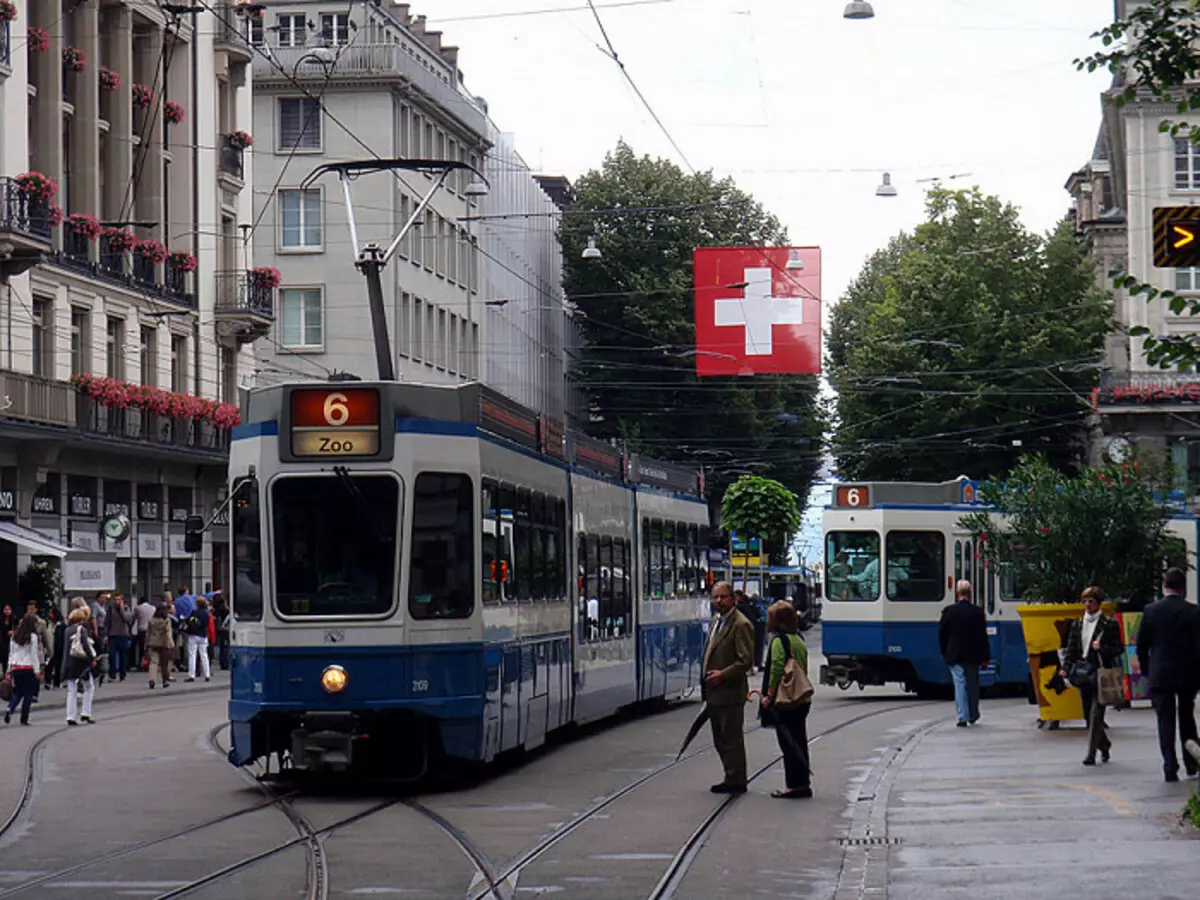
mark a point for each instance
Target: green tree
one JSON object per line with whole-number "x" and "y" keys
{"x": 964, "y": 344}
{"x": 757, "y": 507}
{"x": 1104, "y": 526}
{"x": 637, "y": 365}
{"x": 1154, "y": 55}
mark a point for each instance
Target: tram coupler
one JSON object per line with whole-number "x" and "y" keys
{"x": 325, "y": 741}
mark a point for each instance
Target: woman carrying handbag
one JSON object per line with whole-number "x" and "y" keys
{"x": 787, "y": 698}
{"x": 1091, "y": 662}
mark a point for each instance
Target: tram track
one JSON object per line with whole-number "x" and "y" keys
{"x": 683, "y": 859}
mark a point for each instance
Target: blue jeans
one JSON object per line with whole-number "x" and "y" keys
{"x": 966, "y": 691}
{"x": 117, "y": 647}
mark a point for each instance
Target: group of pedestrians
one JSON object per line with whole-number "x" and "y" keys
{"x": 1168, "y": 652}
{"x": 729, "y": 658}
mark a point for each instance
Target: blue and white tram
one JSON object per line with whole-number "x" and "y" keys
{"x": 435, "y": 570}
{"x": 893, "y": 552}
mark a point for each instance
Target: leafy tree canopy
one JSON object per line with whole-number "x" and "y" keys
{"x": 962, "y": 343}
{"x": 1102, "y": 527}
{"x": 637, "y": 320}
{"x": 754, "y": 506}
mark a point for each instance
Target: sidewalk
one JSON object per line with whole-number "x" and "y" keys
{"x": 135, "y": 687}
{"x": 1002, "y": 808}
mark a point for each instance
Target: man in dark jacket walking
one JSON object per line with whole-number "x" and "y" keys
{"x": 1168, "y": 642}
{"x": 963, "y": 638}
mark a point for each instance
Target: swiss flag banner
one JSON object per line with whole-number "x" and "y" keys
{"x": 758, "y": 310}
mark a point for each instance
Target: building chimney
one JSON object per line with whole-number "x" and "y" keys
{"x": 450, "y": 55}
{"x": 400, "y": 12}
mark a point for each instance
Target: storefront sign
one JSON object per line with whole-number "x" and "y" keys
{"x": 150, "y": 545}
{"x": 81, "y": 505}
{"x": 180, "y": 514}
{"x": 8, "y": 501}
{"x": 176, "y": 548}
{"x": 85, "y": 536}
{"x": 115, "y": 509}
{"x": 85, "y": 572}
{"x": 123, "y": 548}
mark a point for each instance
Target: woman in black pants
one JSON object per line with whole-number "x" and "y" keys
{"x": 791, "y": 725}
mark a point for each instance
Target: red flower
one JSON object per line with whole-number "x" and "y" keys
{"x": 109, "y": 80}
{"x": 142, "y": 96}
{"x": 153, "y": 250}
{"x": 173, "y": 112}
{"x": 38, "y": 40}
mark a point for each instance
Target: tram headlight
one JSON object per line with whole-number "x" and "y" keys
{"x": 334, "y": 679}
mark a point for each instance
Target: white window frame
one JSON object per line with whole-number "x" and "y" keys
{"x": 42, "y": 322}
{"x": 301, "y": 348}
{"x": 254, "y": 30}
{"x": 286, "y": 25}
{"x": 336, "y": 23}
{"x": 1192, "y": 275}
{"x": 315, "y": 122}
{"x": 282, "y": 247}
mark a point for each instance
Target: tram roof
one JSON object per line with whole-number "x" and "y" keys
{"x": 497, "y": 415}
{"x": 961, "y": 491}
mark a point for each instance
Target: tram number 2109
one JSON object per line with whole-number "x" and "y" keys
{"x": 335, "y": 422}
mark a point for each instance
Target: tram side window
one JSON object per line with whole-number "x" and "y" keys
{"x": 916, "y": 565}
{"x": 656, "y": 556}
{"x": 646, "y": 558}
{"x": 853, "y": 573}
{"x": 622, "y": 596}
{"x": 607, "y": 612}
{"x": 682, "y": 564}
{"x": 554, "y": 563}
{"x": 693, "y": 582}
{"x": 537, "y": 552}
{"x": 489, "y": 557}
{"x": 508, "y": 506}
{"x": 523, "y": 540}
{"x": 247, "y": 555}
{"x": 702, "y": 559}
{"x": 591, "y": 585}
{"x": 441, "y": 583}
{"x": 668, "y": 560}
{"x": 587, "y": 615}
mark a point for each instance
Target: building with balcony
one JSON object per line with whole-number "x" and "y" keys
{"x": 122, "y": 186}
{"x": 474, "y": 291}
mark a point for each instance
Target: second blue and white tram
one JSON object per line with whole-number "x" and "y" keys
{"x": 435, "y": 570}
{"x": 893, "y": 553}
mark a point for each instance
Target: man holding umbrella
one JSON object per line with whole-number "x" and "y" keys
{"x": 728, "y": 658}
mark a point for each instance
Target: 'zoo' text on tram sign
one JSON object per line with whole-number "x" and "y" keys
{"x": 342, "y": 422}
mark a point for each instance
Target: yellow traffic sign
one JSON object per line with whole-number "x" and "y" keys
{"x": 1176, "y": 229}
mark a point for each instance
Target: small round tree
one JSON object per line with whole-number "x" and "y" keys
{"x": 1105, "y": 526}
{"x": 760, "y": 508}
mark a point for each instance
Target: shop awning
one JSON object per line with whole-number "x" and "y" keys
{"x": 32, "y": 540}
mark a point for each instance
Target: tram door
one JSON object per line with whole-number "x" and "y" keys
{"x": 969, "y": 564}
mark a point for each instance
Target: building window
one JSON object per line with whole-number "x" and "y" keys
{"x": 43, "y": 337}
{"x": 228, "y": 375}
{"x": 300, "y": 220}
{"x": 441, "y": 338}
{"x": 335, "y": 29}
{"x": 303, "y": 318}
{"x": 1187, "y": 279}
{"x": 115, "y": 343}
{"x": 431, "y": 349}
{"x": 404, "y": 326}
{"x": 455, "y": 364}
{"x": 149, "y": 349}
{"x": 1187, "y": 165}
{"x": 292, "y": 30}
{"x": 428, "y": 239}
{"x": 81, "y": 339}
{"x": 179, "y": 363}
{"x": 418, "y": 328}
{"x": 299, "y": 124}
{"x": 253, "y": 30}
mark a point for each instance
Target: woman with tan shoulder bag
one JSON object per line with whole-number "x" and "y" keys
{"x": 787, "y": 696}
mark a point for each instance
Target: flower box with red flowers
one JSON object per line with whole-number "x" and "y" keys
{"x": 182, "y": 260}
{"x": 153, "y": 250}
{"x": 120, "y": 240}
{"x": 38, "y": 187}
{"x": 84, "y": 225}
{"x": 143, "y": 97}
{"x": 116, "y": 394}
{"x": 38, "y": 40}
{"x": 8, "y": 11}
{"x": 74, "y": 59}
{"x": 266, "y": 277}
{"x": 240, "y": 139}
{"x": 109, "y": 80}
{"x": 173, "y": 112}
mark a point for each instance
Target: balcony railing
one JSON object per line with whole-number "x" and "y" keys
{"x": 232, "y": 158}
{"x": 21, "y": 214}
{"x": 231, "y": 27}
{"x": 378, "y": 61}
{"x": 36, "y": 399}
{"x": 236, "y": 292}
{"x": 1148, "y": 388}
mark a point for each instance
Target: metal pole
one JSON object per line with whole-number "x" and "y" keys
{"x": 370, "y": 264}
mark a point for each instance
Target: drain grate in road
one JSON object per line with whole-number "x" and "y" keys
{"x": 868, "y": 841}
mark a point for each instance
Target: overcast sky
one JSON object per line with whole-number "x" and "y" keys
{"x": 803, "y": 108}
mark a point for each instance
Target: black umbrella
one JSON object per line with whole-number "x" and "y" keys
{"x": 701, "y": 718}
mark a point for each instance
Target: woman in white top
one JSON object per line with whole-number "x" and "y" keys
{"x": 24, "y": 666}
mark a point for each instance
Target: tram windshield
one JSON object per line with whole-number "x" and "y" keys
{"x": 335, "y": 545}
{"x": 852, "y": 565}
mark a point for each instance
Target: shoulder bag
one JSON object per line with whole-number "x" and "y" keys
{"x": 6, "y": 689}
{"x": 78, "y": 650}
{"x": 1110, "y": 687}
{"x": 794, "y": 688}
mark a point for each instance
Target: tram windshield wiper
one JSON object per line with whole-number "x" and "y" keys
{"x": 382, "y": 534}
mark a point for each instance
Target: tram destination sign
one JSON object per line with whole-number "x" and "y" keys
{"x": 335, "y": 422}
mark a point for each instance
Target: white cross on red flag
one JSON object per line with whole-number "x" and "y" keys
{"x": 758, "y": 310}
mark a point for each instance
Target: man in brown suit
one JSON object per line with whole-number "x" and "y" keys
{"x": 728, "y": 657}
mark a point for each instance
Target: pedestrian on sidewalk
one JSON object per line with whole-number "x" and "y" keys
{"x": 1094, "y": 639}
{"x": 120, "y": 629}
{"x": 1168, "y": 644}
{"x": 728, "y": 658}
{"x": 220, "y": 612}
{"x": 24, "y": 666}
{"x": 9, "y": 621}
{"x": 58, "y": 628}
{"x": 963, "y": 638}
{"x": 144, "y": 612}
{"x": 197, "y": 638}
{"x": 160, "y": 646}
{"x": 78, "y": 660}
{"x": 791, "y": 724}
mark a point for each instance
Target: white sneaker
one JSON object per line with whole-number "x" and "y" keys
{"x": 1193, "y": 749}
